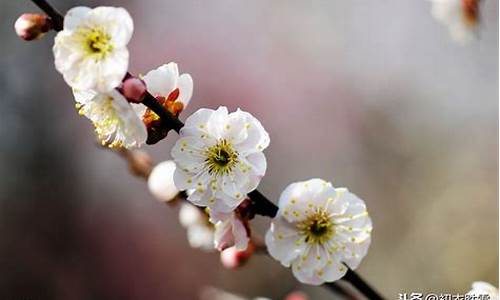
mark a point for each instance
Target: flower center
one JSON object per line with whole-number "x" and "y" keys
{"x": 96, "y": 42}
{"x": 221, "y": 158}
{"x": 317, "y": 228}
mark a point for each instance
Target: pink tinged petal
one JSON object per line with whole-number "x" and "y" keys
{"x": 223, "y": 236}
{"x": 162, "y": 80}
{"x": 74, "y": 17}
{"x": 240, "y": 234}
{"x": 185, "y": 86}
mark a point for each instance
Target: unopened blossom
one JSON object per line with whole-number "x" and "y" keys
{"x": 134, "y": 89}
{"x": 32, "y": 26}
{"x": 161, "y": 181}
{"x": 229, "y": 231}
{"x": 219, "y": 155}
{"x": 200, "y": 231}
{"x": 481, "y": 288}
{"x": 115, "y": 120}
{"x": 460, "y": 16}
{"x": 91, "y": 51}
{"x": 232, "y": 258}
{"x": 172, "y": 90}
{"x": 319, "y": 231}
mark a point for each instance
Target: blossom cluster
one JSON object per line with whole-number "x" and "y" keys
{"x": 218, "y": 160}
{"x": 319, "y": 231}
{"x": 91, "y": 53}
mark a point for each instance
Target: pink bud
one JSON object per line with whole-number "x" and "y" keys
{"x": 296, "y": 296}
{"x": 32, "y": 26}
{"x": 232, "y": 258}
{"x": 134, "y": 89}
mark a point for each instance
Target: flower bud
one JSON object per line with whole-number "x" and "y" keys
{"x": 232, "y": 258}
{"x": 161, "y": 181}
{"x": 296, "y": 296}
{"x": 134, "y": 89}
{"x": 32, "y": 26}
{"x": 140, "y": 163}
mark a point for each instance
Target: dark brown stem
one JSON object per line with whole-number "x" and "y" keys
{"x": 56, "y": 18}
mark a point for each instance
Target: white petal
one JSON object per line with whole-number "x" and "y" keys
{"x": 190, "y": 215}
{"x": 83, "y": 97}
{"x": 116, "y": 22}
{"x": 185, "y": 85}
{"x": 162, "y": 80}
{"x": 161, "y": 181}
{"x": 74, "y": 16}
{"x": 305, "y": 275}
{"x": 333, "y": 271}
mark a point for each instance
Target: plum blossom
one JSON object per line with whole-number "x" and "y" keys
{"x": 229, "y": 231}
{"x": 481, "y": 288}
{"x": 219, "y": 156}
{"x": 174, "y": 91}
{"x": 91, "y": 51}
{"x": 115, "y": 120}
{"x": 161, "y": 181}
{"x": 319, "y": 231}
{"x": 460, "y": 16}
{"x": 200, "y": 231}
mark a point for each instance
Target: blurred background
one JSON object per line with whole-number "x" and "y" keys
{"x": 373, "y": 95}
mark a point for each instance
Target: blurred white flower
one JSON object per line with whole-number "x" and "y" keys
{"x": 115, "y": 120}
{"x": 90, "y": 52}
{"x": 174, "y": 91}
{"x": 460, "y": 16}
{"x": 318, "y": 228}
{"x": 219, "y": 155}
{"x": 200, "y": 231}
{"x": 229, "y": 231}
{"x": 481, "y": 288}
{"x": 161, "y": 181}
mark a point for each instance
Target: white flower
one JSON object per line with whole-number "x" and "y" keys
{"x": 90, "y": 52}
{"x": 318, "y": 228}
{"x": 460, "y": 16}
{"x": 480, "y": 288}
{"x": 220, "y": 156}
{"x": 161, "y": 181}
{"x": 115, "y": 120}
{"x": 172, "y": 90}
{"x": 199, "y": 230}
{"x": 229, "y": 231}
